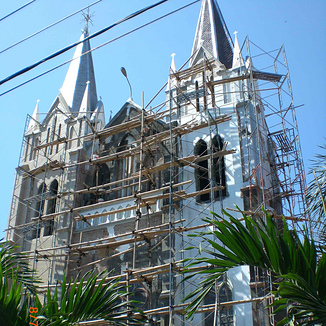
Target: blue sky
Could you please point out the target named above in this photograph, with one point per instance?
(146, 54)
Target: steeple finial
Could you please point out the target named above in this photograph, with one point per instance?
(212, 34)
(88, 19)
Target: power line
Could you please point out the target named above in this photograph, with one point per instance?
(100, 46)
(27, 4)
(53, 55)
(44, 29)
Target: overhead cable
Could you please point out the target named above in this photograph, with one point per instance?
(27, 4)
(53, 55)
(100, 46)
(44, 29)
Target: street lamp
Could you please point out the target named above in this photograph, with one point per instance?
(124, 72)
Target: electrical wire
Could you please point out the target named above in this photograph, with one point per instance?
(13, 12)
(100, 46)
(44, 29)
(53, 55)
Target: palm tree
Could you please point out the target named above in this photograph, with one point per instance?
(301, 283)
(92, 298)
(17, 284)
(316, 196)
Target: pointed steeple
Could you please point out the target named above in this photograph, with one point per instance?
(212, 34)
(33, 125)
(80, 71)
(237, 56)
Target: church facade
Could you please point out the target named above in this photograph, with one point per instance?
(123, 195)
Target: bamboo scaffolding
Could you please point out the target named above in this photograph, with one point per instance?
(106, 203)
(104, 239)
(180, 308)
(150, 140)
(149, 197)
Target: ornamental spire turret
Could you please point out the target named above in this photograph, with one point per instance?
(33, 126)
(237, 56)
(81, 70)
(212, 34)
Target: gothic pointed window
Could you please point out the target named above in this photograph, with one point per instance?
(51, 206)
(218, 166)
(227, 93)
(52, 135)
(71, 136)
(126, 165)
(59, 135)
(48, 141)
(39, 208)
(225, 314)
(27, 147)
(201, 171)
(35, 147)
(104, 217)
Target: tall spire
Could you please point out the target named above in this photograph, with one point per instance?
(212, 34)
(80, 71)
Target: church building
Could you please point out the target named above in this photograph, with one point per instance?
(123, 195)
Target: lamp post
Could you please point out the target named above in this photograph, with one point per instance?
(124, 72)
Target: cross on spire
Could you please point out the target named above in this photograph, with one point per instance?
(88, 19)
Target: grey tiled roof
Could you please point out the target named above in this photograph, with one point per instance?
(85, 73)
(211, 30)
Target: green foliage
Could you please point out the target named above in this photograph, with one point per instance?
(302, 282)
(92, 298)
(316, 195)
(16, 263)
(13, 306)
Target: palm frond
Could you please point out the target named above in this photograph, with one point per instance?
(16, 263)
(259, 243)
(92, 298)
(13, 300)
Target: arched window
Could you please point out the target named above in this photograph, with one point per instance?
(52, 136)
(226, 312)
(104, 174)
(201, 172)
(95, 220)
(126, 166)
(48, 140)
(52, 202)
(59, 135)
(112, 216)
(104, 218)
(71, 136)
(218, 168)
(120, 214)
(128, 212)
(27, 146)
(80, 132)
(39, 207)
(35, 147)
